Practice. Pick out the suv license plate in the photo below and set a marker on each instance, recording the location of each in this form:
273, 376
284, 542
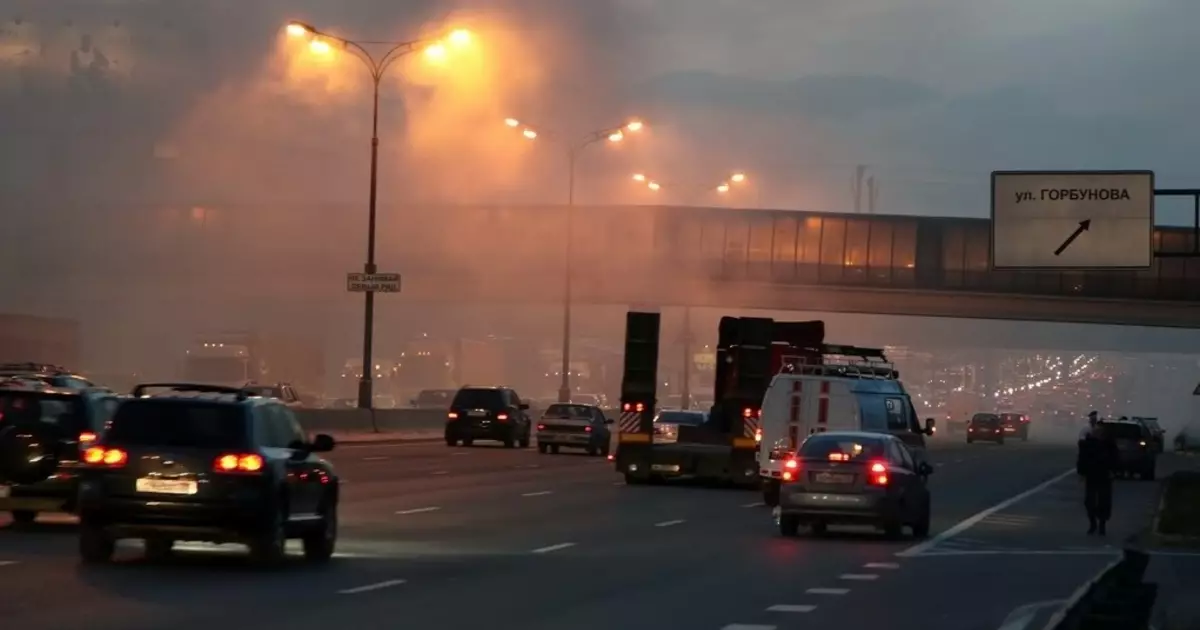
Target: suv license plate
5, 491
825, 477
166, 486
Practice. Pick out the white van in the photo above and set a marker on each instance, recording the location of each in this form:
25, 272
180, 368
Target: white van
818, 398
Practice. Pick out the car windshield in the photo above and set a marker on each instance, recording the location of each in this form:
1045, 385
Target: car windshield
559, 410
190, 424
478, 399
984, 418
842, 447
690, 418
1123, 431
50, 408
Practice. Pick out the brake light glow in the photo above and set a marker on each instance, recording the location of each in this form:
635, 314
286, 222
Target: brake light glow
87, 436
638, 407
100, 456
239, 462
587, 429
452, 415
878, 474
758, 435
751, 412
839, 457
792, 464
541, 427
502, 417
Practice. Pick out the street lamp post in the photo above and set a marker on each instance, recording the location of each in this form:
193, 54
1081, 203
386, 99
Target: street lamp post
615, 133
377, 66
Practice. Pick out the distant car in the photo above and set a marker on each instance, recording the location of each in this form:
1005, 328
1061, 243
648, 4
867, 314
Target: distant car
210, 464
1136, 450
1016, 425
54, 375
42, 431
574, 426
488, 413
433, 399
855, 478
1156, 431
284, 392
985, 427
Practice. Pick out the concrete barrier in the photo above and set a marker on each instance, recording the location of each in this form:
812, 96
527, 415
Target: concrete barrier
360, 420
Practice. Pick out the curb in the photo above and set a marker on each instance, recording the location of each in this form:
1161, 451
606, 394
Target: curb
1080, 593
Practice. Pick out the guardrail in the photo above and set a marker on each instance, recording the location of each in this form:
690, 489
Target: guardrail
1115, 599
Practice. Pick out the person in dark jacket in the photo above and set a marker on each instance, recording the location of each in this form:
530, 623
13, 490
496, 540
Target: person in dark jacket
1097, 462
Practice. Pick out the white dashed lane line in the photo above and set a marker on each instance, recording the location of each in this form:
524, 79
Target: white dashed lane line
440, 472
539, 493
669, 523
420, 510
7, 563
748, 626
792, 608
754, 505
827, 591
377, 458
859, 577
371, 587
881, 565
552, 548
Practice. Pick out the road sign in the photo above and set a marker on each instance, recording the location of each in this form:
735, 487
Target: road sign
1072, 219
374, 282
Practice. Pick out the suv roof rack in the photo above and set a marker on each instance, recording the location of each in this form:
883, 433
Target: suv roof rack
195, 389
842, 361
34, 368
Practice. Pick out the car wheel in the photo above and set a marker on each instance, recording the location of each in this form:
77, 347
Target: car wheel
269, 547
525, 439
158, 549
789, 525
920, 529
554, 448
634, 480
510, 441
543, 448
468, 442
593, 451
969, 440
819, 528
770, 492
95, 545
24, 517
319, 544
604, 450
451, 441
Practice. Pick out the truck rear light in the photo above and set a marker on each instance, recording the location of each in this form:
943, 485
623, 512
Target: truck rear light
502, 417
87, 436
638, 407
100, 456
541, 427
587, 429
878, 474
751, 412
239, 463
757, 435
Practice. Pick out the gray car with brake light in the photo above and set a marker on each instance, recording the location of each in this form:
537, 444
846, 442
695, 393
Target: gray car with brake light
574, 426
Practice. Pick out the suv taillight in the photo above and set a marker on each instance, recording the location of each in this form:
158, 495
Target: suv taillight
791, 470
101, 456
453, 415
877, 474
239, 463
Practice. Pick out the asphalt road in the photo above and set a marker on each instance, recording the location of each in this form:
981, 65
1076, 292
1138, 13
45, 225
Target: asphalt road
446, 538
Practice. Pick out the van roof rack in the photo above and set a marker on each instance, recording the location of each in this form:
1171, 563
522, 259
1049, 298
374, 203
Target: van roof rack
842, 361
194, 390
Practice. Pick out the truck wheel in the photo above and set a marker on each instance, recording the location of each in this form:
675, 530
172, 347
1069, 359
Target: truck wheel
95, 545
543, 448
554, 448
770, 492
789, 525
592, 451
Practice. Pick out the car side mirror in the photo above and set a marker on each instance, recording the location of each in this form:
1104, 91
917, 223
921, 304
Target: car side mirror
930, 426
924, 469
322, 443
523, 406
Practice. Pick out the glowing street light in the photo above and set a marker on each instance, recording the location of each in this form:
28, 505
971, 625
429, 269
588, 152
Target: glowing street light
615, 133
737, 178
723, 188
653, 186
323, 43
638, 177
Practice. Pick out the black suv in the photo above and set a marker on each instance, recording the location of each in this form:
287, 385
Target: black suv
1137, 453
488, 413
211, 464
42, 430
54, 375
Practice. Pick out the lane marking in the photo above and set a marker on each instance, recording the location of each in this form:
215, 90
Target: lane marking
459, 454
1019, 552
377, 458
539, 493
881, 565
371, 587
619, 483
419, 510
748, 626
971, 521
754, 505
7, 563
669, 523
861, 577
551, 548
827, 591
792, 608
440, 472
527, 466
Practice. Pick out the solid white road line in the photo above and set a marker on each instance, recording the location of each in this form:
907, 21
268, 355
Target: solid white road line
7, 563
377, 458
551, 548
440, 472
792, 608
881, 565
860, 577
371, 587
669, 523
971, 521
827, 591
539, 493
754, 505
459, 454
419, 510
748, 626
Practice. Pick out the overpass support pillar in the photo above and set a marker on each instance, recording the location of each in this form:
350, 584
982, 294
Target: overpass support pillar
686, 342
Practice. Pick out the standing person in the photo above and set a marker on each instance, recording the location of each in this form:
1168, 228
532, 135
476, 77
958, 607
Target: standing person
1092, 419
1097, 462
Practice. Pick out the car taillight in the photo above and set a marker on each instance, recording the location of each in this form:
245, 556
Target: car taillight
87, 436
587, 429
839, 457
502, 417
239, 463
878, 474
452, 416
791, 469
100, 456
758, 435
751, 412
541, 427
638, 407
